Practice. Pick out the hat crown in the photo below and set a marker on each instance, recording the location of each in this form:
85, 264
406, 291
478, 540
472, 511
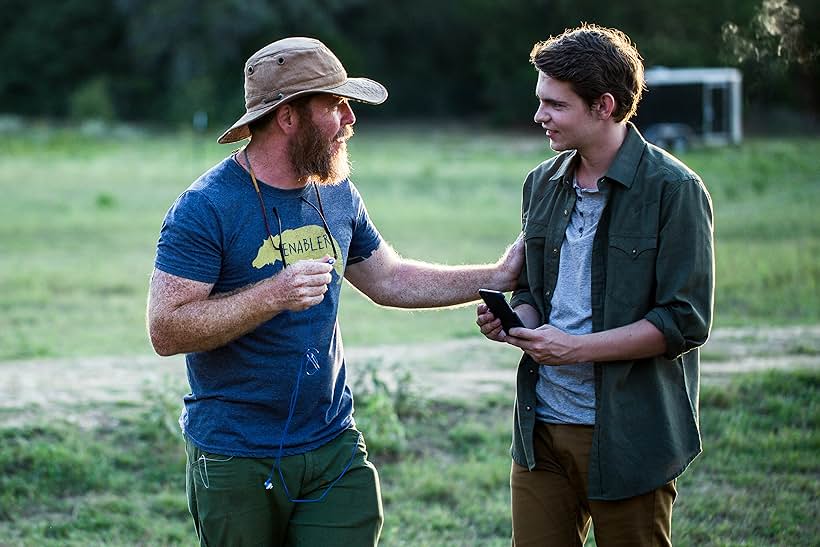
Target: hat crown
294, 67
289, 66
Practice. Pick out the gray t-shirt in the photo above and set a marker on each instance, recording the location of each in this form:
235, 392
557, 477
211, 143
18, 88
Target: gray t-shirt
566, 393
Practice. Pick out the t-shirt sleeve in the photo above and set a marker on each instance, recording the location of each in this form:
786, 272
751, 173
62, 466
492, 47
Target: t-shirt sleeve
190, 241
366, 238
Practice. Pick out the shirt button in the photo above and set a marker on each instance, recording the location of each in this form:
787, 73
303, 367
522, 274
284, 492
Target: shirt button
547, 292
555, 250
532, 371
529, 408
566, 212
634, 251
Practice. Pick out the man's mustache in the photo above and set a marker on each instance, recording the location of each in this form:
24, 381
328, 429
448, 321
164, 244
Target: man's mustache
344, 133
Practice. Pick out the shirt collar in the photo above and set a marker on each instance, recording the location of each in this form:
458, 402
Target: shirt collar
566, 171
623, 167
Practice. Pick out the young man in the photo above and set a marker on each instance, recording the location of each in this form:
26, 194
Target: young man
248, 274
616, 295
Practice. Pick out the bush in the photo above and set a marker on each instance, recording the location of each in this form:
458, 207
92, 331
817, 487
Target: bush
92, 101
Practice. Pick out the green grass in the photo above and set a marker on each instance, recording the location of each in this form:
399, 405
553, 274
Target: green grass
80, 216
757, 481
113, 484
767, 230
78, 225
444, 469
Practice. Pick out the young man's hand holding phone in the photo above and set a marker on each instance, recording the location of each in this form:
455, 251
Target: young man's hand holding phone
500, 308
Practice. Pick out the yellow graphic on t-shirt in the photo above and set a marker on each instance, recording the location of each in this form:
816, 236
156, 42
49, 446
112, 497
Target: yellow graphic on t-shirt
303, 243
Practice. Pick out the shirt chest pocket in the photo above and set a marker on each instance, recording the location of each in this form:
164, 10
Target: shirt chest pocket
630, 269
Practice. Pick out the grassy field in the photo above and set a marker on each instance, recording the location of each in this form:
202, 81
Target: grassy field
80, 216
78, 224
444, 469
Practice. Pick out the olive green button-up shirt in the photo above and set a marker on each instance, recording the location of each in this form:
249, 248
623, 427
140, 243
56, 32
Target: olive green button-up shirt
652, 259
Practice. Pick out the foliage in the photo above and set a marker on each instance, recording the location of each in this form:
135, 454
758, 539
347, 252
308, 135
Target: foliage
166, 59
92, 101
777, 55
49, 49
379, 408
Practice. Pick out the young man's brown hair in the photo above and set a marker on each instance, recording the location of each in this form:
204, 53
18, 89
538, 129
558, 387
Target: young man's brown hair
595, 60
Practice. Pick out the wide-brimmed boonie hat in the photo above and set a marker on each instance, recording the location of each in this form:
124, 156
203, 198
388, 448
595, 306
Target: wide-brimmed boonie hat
290, 68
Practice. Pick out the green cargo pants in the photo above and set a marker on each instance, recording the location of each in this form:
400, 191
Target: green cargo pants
230, 505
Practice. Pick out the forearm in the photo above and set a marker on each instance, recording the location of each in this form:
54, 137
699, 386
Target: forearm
208, 324
415, 284
634, 341
390, 280
529, 316
183, 317
548, 345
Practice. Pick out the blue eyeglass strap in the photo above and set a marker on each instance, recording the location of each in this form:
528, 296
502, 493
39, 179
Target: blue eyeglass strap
310, 359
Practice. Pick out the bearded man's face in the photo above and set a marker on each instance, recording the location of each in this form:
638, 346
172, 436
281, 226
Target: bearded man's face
316, 153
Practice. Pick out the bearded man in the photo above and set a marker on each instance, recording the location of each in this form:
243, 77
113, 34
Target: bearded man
247, 282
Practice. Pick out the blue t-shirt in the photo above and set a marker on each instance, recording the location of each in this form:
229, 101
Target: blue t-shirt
241, 392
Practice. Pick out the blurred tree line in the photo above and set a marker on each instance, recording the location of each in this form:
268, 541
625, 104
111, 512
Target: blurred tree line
162, 60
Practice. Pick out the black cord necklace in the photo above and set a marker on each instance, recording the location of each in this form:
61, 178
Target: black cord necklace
319, 210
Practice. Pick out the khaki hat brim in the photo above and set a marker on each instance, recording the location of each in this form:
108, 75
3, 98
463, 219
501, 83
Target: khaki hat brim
359, 89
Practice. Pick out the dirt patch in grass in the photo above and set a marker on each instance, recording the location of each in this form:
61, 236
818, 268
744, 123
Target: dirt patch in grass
84, 390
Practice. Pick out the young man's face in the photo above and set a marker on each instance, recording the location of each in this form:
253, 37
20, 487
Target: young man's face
564, 115
319, 149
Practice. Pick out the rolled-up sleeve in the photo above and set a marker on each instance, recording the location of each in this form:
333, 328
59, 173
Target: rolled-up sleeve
685, 268
522, 294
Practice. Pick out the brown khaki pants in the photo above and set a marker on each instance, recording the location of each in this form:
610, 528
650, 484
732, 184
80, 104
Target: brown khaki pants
550, 505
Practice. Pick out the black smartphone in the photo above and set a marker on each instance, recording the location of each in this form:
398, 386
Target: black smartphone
498, 304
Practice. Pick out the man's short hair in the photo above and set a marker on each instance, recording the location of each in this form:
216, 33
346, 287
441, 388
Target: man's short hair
300, 104
595, 60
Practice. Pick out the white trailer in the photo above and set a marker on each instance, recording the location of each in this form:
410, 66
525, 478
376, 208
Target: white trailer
682, 106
